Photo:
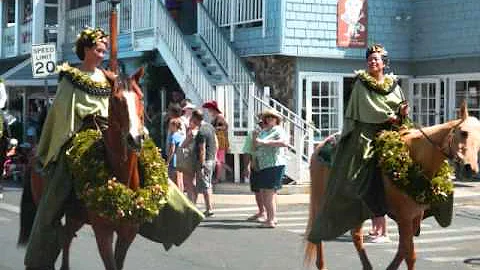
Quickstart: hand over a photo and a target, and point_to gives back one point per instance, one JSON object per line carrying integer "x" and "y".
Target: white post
{"x": 251, "y": 106}
{"x": 93, "y": 19}
{"x": 236, "y": 167}
{"x": 266, "y": 94}
{"x": 264, "y": 17}
{"x": 233, "y": 11}
{"x": 2, "y": 24}
{"x": 38, "y": 23}
{"x": 24, "y": 112}
{"x": 156, "y": 14}
{"x": 62, "y": 28}
{"x": 132, "y": 21}
{"x": 16, "y": 46}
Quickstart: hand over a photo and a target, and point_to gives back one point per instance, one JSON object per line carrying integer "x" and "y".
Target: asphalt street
{"x": 228, "y": 241}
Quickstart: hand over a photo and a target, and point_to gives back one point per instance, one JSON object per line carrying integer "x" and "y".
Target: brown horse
{"x": 123, "y": 139}
{"x": 459, "y": 139}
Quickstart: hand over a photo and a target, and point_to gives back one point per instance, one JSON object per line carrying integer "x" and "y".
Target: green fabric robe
{"x": 64, "y": 119}
{"x": 354, "y": 176}
{"x": 65, "y": 116}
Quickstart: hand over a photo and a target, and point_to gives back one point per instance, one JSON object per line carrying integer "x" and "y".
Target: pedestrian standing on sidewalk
{"x": 269, "y": 151}
{"x": 174, "y": 140}
{"x": 221, "y": 131}
{"x": 251, "y": 172}
{"x": 205, "y": 148}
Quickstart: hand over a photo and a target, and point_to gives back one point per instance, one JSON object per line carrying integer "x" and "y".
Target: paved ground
{"x": 227, "y": 241}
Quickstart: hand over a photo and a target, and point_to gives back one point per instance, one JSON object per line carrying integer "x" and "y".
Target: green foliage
{"x": 95, "y": 185}
{"x": 397, "y": 164}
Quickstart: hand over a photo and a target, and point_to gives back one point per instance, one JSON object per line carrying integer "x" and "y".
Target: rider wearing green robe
{"x": 354, "y": 190}
{"x": 75, "y": 99}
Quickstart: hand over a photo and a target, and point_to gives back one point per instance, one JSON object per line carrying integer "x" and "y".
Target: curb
{"x": 244, "y": 189}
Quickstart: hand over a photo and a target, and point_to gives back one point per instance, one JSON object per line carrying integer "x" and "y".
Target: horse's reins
{"x": 449, "y": 155}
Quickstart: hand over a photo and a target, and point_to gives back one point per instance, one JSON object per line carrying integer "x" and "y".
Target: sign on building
{"x": 352, "y": 21}
{"x": 44, "y": 59}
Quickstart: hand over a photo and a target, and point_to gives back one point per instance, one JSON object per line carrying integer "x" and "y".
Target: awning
{"x": 8, "y": 63}
{"x": 21, "y": 75}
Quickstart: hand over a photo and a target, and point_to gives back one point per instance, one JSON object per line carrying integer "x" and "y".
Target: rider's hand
{"x": 404, "y": 109}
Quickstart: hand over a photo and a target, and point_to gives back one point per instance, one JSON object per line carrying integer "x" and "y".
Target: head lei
{"x": 89, "y": 38}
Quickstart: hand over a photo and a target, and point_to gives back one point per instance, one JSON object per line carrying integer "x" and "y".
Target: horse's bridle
{"x": 448, "y": 141}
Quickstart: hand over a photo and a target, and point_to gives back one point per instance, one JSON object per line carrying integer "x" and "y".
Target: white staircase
{"x": 206, "y": 67}
{"x": 253, "y": 100}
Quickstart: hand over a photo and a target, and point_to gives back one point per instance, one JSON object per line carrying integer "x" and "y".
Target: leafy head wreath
{"x": 88, "y": 38}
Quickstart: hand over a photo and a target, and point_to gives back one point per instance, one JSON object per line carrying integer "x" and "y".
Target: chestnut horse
{"x": 457, "y": 139}
{"x": 123, "y": 139}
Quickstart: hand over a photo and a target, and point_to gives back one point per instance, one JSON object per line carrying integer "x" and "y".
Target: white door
{"x": 465, "y": 89}
{"x": 427, "y": 101}
{"x": 324, "y": 104}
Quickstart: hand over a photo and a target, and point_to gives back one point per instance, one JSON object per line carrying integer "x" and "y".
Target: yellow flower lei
{"x": 83, "y": 80}
{"x": 382, "y": 88}
{"x": 109, "y": 198}
{"x": 407, "y": 175}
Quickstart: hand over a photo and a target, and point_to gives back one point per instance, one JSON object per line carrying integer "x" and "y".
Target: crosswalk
{"x": 435, "y": 244}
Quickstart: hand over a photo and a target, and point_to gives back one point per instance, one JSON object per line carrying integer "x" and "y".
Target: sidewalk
{"x": 236, "y": 194}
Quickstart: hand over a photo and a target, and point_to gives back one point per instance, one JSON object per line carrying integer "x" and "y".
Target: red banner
{"x": 352, "y": 21}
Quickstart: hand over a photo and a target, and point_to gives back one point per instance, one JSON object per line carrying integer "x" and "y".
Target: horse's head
{"x": 126, "y": 109}
{"x": 465, "y": 142}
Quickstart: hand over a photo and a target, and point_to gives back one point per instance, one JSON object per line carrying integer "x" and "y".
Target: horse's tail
{"x": 318, "y": 174}
{"x": 28, "y": 210}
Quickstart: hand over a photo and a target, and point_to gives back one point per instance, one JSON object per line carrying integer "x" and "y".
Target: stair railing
{"x": 241, "y": 77}
{"x": 180, "y": 57}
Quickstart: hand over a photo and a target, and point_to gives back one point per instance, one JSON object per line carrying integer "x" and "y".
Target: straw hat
{"x": 271, "y": 113}
{"x": 189, "y": 105}
{"x": 212, "y": 104}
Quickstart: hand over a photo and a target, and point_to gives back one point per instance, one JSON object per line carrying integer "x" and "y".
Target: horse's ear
{"x": 463, "y": 110}
{"x": 138, "y": 74}
{"x": 110, "y": 75}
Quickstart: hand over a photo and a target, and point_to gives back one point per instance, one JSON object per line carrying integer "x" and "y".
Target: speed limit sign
{"x": 44, "y": 59}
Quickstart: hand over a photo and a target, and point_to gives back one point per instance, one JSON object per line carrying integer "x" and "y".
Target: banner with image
{"x": 352, "y": 21}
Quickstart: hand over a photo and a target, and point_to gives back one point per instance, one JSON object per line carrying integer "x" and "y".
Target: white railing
{"x": 250, "y": 100}
{"x": 78, "y": 18}
{"x": 143, "y": 14}
{"x": 26, "y": 37}
{"x": 8, "y": 41}
{"x": 234, "y": 13}
{"x": 168, "y": 32}
{"x": 232, "y": 65}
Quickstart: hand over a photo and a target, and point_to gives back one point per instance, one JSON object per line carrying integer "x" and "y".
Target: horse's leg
{"x": 407, "y": 248}
{"x": 357, "y": 237}
{"x": 399, "y": 256}
{"x": 71, "y": 227}
{"x": 104, "y": 237}
{"x": 320, "y": 262}
{"x": 126, "y": 235}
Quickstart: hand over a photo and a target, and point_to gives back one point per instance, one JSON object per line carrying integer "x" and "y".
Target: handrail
{"x": 232, "y": 64}
{"x": 195, "y": 78}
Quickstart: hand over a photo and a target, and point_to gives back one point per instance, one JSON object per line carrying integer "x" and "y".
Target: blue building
{"x": 254, "y": 54}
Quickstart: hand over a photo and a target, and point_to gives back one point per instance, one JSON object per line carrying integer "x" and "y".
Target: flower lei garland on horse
{"x": 109, "y": 198}
{"x": 405, "y": 174}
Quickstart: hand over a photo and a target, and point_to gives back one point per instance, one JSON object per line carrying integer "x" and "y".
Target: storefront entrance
{"x": 468, "y": 89}
{"x": 427, "y": 101}
{"x": 323, "y": 103}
